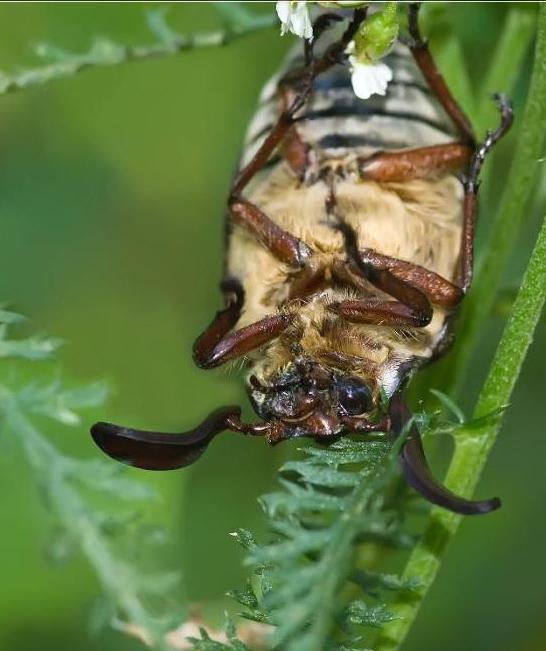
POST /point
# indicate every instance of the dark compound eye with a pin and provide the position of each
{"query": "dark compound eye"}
(354, 396)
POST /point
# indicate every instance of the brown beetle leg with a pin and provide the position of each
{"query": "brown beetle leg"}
(413, 285)
(421, 53)
(378, 312)
(240, 342)
(420, 163)
(285, 247)
(418, 474)
(293, 148)
(416, 305)
(259, 224)
(321, 24)
(436, 288)
(223, 321)
(215, 346)
(159, 451)
(471, 185)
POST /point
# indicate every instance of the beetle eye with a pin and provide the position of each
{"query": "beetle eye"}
(354, 396)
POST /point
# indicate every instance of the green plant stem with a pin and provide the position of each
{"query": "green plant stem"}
(472, 445)
(108, 53)
(511, 213)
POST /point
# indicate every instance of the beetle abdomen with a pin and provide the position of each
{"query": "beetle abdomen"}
(336, 122)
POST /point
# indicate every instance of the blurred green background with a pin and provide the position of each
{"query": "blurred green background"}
(112, 191)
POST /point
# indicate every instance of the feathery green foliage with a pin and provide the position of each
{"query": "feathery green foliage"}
(335, 500)
(68, 484)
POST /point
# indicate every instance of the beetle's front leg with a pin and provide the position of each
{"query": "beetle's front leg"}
(238, 343)
(413, 285)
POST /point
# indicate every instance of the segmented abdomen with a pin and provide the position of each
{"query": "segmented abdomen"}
(338, 123)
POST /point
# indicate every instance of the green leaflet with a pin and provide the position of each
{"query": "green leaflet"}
(335, 500)
(68, 485)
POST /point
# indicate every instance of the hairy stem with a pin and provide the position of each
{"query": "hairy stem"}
(473, 444)
(105, 52)
(511, 213)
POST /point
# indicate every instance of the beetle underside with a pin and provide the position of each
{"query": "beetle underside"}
(331, 320)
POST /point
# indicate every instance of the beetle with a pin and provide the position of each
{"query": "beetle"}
(350, 236)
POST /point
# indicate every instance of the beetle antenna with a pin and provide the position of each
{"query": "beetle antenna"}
(417, 471)
(160, 451)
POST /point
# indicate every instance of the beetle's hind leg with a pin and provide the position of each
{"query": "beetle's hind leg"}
(421, 53)
(471, 184)
(294, 93)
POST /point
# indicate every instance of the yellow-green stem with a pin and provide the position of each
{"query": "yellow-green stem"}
(473, 444)
(511, 213)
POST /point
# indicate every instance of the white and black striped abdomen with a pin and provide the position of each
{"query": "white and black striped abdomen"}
(336, 123)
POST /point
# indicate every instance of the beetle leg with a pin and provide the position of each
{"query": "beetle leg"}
(414, 304)
(321, 24)
(417, 472)
(215, 346)
(284, 246)
(294, 150)
(413, 285)
(420, 163)
(158, 451)
(304, 80)
(224, 320)
(378, 312)
(208, 354)
(471, 185)
(421, 53)
(436, 288)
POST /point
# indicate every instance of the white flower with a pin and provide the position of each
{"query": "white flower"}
(294, 17)
(369, 78)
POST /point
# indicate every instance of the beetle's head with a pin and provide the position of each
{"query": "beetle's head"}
(309, 398)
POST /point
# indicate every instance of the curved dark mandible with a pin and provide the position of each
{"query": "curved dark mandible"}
(418, 474)
(158, 451)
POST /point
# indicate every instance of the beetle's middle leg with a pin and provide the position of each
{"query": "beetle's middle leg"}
(411, 307)
(414, 287)
(294, 94)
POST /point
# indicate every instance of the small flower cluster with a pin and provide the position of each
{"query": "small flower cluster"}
(373, 40)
